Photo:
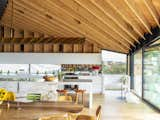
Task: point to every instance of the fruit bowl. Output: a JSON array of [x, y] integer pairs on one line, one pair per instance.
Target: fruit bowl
[[49, 78]]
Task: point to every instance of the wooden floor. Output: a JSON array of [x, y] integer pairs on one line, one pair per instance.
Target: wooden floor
[[113, 108]]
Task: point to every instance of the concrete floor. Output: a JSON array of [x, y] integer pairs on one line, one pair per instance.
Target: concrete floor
[[114, 108]]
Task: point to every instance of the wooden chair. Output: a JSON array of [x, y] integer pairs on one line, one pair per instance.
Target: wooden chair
[[77, 94], [56, 117], [98, 112], [85, 117], [62, 92], [62, 96], [89, 117], [65, 98]]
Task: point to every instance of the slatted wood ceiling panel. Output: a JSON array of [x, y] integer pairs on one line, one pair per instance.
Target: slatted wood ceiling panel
[[111, 24]]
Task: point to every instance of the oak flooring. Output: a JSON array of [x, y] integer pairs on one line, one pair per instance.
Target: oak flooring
[[114, 108]]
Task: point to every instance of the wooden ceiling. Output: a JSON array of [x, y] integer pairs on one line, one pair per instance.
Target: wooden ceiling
[[115, 25]]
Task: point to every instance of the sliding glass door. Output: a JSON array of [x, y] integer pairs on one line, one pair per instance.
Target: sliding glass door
[[151, 87]]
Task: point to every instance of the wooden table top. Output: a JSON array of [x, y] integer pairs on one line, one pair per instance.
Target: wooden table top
[[35, 110]]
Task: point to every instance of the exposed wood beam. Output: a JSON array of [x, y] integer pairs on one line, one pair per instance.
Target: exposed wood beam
[[43, 39], [41, 12], [37, 13], [106, 24], [86, 25], [149, 39], [92, 28], [156, 4], [70, 25], [44, 26], [37, 35], [67, 40], [152, 11], [84, 17], [17, 25], [59, 40], [116, 19], [132, 5], [7, 33], [26, 25], [18, 33], [125, 18]]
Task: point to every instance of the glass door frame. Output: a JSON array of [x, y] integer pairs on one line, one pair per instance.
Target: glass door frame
[[143, 81]]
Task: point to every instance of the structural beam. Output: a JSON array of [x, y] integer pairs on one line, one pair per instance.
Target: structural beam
[[54, 40], [152, 11], [132, 5], [149, 39]]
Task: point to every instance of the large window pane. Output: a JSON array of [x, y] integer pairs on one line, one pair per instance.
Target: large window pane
[[44, 68], [152, 75], [14, 68], [113, 63]]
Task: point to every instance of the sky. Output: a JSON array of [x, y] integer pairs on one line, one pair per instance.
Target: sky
[[113, 56]]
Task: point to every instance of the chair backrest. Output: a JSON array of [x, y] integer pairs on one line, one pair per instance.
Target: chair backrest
[[85, 117], [98, 112], [56, 117]]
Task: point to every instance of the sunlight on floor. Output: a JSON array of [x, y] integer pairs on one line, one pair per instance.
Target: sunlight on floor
[[114, 108]]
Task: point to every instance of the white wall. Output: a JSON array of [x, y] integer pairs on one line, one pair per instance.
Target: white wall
[[50, 58]]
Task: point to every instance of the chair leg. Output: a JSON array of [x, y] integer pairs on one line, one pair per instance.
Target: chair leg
[[82, 98], [76, 98]]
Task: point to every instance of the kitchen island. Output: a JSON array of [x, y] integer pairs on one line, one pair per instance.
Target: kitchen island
[[46, 89]]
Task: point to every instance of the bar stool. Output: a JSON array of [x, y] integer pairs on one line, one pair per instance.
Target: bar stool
[[62, 96], [82, 93], [62, 92]]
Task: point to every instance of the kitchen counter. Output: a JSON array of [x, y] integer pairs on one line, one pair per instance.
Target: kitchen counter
[[77, 80]]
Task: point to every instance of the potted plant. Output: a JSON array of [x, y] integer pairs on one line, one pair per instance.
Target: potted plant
[[124, 79]]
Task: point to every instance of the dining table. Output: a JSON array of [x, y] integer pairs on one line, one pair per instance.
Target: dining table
[[34, 110]]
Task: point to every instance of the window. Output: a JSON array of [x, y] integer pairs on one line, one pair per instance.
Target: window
[[113, 63], [14, 68], [151, 91], [44, 68]]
